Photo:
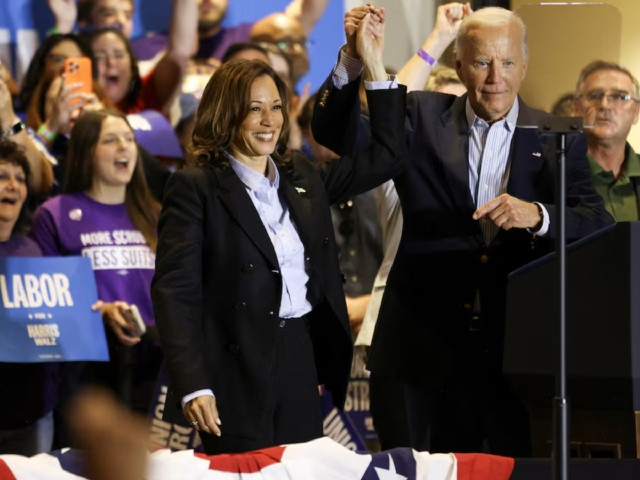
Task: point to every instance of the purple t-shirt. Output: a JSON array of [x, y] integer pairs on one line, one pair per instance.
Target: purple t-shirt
[[148, 46], [20, 246], [123, 263]]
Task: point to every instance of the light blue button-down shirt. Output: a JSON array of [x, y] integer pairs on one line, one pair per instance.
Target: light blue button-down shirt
[[274, 213]]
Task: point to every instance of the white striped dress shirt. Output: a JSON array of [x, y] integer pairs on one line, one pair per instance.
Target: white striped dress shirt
[[489, 160]]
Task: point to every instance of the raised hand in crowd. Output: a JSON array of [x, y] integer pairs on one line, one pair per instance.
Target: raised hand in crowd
[[307, 12], [64, 104], [7, 115], [415, 72], [64, 14], [6, 77], [13, 129], [448, 20]]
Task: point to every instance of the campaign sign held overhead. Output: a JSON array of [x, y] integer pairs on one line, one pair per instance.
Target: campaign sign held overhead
[[45, 313]]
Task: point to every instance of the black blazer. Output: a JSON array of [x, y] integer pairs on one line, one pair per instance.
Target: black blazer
[[217, 286], [442, 260]]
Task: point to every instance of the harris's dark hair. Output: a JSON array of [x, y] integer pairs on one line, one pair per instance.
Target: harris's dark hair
[[225, 104], [12, 153], [135, 84], [141, 206]]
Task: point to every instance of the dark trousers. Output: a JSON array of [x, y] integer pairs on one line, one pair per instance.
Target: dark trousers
[[473, 410], [292, 413]]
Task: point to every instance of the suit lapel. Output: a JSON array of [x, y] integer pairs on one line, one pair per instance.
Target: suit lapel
[[453, 136], [297, 195], [234, 195], [528, 156]]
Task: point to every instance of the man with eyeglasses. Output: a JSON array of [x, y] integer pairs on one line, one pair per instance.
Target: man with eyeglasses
[[287, 33], [607, 96]]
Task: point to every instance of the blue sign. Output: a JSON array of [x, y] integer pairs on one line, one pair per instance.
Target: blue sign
[[46, 311]]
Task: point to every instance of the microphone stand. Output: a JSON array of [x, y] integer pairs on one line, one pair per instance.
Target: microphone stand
[[561, 127]]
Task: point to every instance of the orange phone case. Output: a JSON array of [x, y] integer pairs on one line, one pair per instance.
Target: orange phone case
[[78, 70]]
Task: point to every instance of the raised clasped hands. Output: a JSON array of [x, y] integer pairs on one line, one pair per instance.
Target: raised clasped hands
[[352, 21], [364, 29], [370, 40]]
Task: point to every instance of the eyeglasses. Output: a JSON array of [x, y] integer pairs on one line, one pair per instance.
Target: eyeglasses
[[616, 99], [288, 44]]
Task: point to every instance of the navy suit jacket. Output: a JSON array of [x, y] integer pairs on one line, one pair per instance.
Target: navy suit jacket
[[442, 261]]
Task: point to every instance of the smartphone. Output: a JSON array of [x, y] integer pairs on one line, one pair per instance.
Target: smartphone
[[133, 318], [78, 70]]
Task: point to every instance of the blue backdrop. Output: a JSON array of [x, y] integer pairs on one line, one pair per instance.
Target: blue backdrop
[[24, 22]]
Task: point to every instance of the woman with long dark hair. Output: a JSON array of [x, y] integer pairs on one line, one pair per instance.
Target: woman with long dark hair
[[119, 72], [51, 104]]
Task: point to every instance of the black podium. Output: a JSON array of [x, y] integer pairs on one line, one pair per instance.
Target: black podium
[[603, 343]]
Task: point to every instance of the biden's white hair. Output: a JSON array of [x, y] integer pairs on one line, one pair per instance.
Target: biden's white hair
[[489, 17]]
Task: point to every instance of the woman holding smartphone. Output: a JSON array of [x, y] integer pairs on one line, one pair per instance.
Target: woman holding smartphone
[[118, 70], [108, 215]]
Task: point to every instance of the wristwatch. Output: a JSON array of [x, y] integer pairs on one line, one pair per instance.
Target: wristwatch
[[12, 130]]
